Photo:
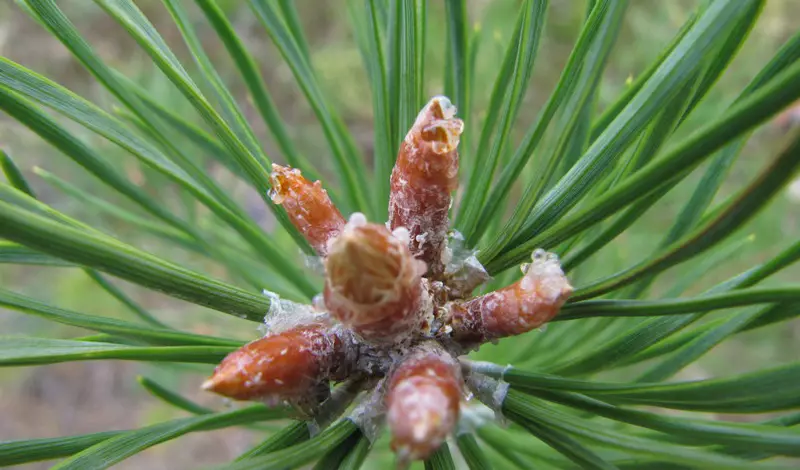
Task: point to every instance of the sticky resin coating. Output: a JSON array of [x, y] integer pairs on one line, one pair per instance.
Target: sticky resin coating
[[424, 176], [308, 206], [516, 309], [463, 273], [286, 366], [423, 402], [373, 283]]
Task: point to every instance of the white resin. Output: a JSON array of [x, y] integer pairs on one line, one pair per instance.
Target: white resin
[[284, 315]]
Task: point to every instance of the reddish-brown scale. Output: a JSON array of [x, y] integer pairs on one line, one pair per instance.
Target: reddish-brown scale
[[422, 399], [373, 283], [308, 206], [424, 176], [527, 304], [284, 366]]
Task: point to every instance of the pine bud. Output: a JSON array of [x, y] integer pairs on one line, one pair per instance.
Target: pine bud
[[527, 304], [373, 283], [424, 176], [423, 398], [308, 206], [288, 366]]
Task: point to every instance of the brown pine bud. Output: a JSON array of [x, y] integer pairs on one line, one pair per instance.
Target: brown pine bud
[[287, 366], [516, 309], [422, 398], [373, 283], [424, 176], [308, 206]]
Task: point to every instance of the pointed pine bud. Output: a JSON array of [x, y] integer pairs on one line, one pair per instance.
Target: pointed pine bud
[[308, 206], [423, 396], [424, 176], [527, 304], [373, 283], [289, 366]]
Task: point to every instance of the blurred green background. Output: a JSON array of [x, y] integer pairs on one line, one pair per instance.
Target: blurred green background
[[86, 397]]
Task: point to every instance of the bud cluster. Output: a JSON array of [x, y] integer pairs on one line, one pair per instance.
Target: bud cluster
[[394, 309]]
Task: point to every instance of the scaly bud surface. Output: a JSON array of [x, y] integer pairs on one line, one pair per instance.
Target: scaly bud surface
[[527, 304], [373, 283], [424, 176], [286, 366], [308, 206], [423, 398]]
